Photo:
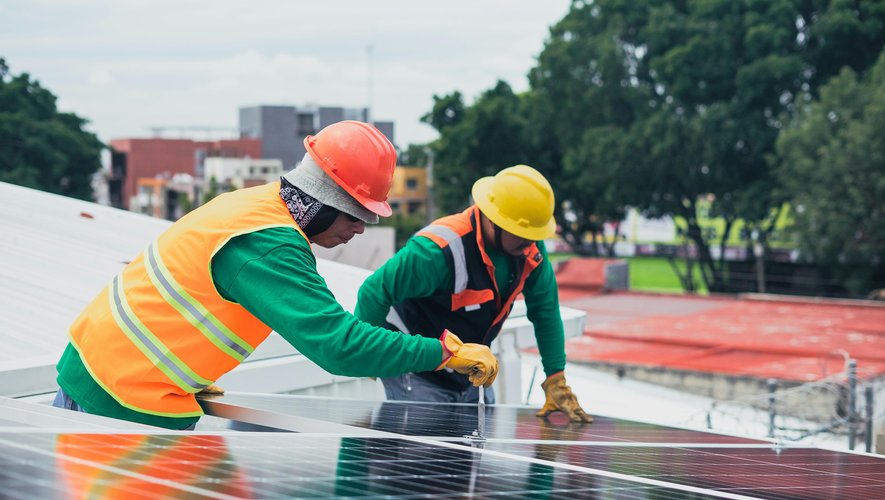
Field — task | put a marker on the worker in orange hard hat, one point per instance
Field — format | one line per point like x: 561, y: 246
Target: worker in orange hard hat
x: 208, y: 291
x: 474, y: 265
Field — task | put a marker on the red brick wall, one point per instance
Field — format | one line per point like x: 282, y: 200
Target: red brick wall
x: 153, y: 157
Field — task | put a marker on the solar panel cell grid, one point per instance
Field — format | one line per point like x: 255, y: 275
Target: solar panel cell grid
x: 769, y: 473
x: 456, y: 420
x: 282, y: 465
x: 365, y: 452
x: 708, y: 461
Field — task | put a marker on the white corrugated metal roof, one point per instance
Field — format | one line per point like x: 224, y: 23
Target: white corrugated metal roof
x: 56, y: 254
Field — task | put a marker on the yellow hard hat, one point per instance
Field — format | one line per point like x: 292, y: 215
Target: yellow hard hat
x: 519, y: 200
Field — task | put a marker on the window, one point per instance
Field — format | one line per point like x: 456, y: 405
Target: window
x: 305, y: 123
x: 412, y: 184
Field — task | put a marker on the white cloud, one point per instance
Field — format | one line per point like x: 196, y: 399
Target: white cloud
x: 100, y: 77
x: 196, y: 63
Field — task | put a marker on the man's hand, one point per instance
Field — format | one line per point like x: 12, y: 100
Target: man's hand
x: 474, y: 360
x: 211, y: 390
x: 561, y: 398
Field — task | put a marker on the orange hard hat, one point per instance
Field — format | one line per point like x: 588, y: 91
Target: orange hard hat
x: 359, y: 158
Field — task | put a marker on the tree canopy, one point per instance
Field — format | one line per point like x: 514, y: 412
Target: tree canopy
x: 656, y: 105
x: 41, y: 147
x: 832, y: 162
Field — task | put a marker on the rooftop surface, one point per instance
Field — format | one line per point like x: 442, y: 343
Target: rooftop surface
x: 343, y: 448
x: 786, y: 338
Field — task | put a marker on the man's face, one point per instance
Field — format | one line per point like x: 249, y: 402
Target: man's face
x: 341, y: 231
x: 511, y: 244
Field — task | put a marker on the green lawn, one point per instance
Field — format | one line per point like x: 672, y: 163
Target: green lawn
x: 650, y: 274
x: 654, y: 274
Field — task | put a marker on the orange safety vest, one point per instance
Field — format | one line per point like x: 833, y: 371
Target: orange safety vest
x: 160, y: 331
x: 475, y: 307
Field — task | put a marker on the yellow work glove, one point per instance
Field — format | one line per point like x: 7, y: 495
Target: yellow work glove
x: 211, y: 390
x: 474, y: 360
x: 561, y: 398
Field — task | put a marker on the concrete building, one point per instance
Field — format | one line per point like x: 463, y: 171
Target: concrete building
x: 408, y: 194
x: 282, y: 128
x: 133, y: 159
x: 242, y: 172
x: 165, y: 197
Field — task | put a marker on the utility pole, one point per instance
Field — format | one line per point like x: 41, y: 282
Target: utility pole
x: 759, y: 253
x: 369, y: 50
x: 431, y: 206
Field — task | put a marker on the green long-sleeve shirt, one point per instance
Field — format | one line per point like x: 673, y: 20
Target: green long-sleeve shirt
x: 419, y: 269
x: 272, y: 273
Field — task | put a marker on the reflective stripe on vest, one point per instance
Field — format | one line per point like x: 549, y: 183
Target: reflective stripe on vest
x: 453, y: 240
x: 458, y: 257
x: 193, y: 311
x: 150, y: 345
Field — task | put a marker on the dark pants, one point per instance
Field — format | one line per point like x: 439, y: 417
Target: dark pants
x: 411, y: 387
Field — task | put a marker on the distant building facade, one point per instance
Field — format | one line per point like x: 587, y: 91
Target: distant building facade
x: 133, y: 159
x: 282, y: 129
x: 238, y: 173
x: 165, y: 197
x: 408, y: 193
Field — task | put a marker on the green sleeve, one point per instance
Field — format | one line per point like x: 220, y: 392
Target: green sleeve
x: 542, y: 308
x: 419, y: 269
x: 272, y: 273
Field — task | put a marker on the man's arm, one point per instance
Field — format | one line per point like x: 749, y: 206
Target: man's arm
x: 542, y: 308
x: 272, y: 273
x: 542, y: 304
x: 419, y: 269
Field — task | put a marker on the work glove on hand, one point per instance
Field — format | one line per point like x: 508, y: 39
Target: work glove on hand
x: 561, y: 398
x: 211, y: 390
x: 474, y: 360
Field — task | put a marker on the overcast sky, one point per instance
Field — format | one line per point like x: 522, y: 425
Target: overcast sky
x: 127, y: 66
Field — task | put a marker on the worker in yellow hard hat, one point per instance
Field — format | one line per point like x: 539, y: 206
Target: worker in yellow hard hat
x: 209, y: 290
x: 463, y: 272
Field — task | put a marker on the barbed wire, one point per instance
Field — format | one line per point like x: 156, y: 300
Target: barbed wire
x: 795, y: 413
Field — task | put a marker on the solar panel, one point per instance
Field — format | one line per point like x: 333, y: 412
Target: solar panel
x: 347, y: 448
x: 449, y: 420
x: 712, y: 462
x: 774, y: 473
x: 238, y: 465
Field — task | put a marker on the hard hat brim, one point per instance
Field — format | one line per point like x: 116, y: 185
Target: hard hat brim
x: 480, y: 192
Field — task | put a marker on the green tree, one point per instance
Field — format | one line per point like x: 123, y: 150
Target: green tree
x: 41, y: 147
x: 833, y: 167
x: 475, y: 141
x: 212, y: 190
x: 658, y: 105
x: 404, y: 225
x: 416, y: 155
x: 696, y: 91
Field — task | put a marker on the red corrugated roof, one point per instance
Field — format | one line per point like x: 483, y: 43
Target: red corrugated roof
x: 788, y: 340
